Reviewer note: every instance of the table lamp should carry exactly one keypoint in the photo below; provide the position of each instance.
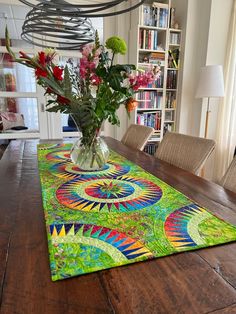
(211, 84)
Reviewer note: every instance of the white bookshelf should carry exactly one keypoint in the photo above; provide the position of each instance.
(168, 39)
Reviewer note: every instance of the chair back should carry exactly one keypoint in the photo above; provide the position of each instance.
(229, 179)
(137, 136)
(184, 151)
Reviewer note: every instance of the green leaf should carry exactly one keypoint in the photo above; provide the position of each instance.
(67, 86)
(53, 85)
(8, 44)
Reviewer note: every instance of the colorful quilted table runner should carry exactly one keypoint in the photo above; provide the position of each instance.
(117, 216)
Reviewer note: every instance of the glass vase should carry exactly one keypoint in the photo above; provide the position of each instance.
(89, 153)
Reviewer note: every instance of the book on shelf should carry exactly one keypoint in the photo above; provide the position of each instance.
(154, 15)
(171, 79)
(173, 58)
(174, 38)
(170, 100)
(169, 127)
(156, 57)
(149, 100)
(150, 148)
(148, 39)
(151, 119)
(169, 115)
(152, 57)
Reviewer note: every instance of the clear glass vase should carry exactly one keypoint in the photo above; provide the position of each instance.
(91, 152)
(90, 157)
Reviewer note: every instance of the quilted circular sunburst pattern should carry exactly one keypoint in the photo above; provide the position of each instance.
(59, 156)
(122, 194)
(69, 171)
(109, 190)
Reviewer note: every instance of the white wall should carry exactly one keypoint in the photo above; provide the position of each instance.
(193, 16)
(118, 26)
(206, 24)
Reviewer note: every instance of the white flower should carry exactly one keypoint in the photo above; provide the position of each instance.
(126, 83)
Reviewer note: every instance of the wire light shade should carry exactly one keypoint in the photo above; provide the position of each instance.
(47, 26)
(93, 9)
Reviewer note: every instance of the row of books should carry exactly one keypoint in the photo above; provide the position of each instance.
(152, 120)
(158, 83)
(148, 39)
(149, 99)
(171, 79)
(150, 148)
(154, 58)
(170, 115)
(154, 15)
(170, 100)
(174, 38)
(169, 127)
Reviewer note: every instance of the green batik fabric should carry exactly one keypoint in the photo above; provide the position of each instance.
(116, 216)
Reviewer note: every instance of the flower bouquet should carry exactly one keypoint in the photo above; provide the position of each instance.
(91, 92)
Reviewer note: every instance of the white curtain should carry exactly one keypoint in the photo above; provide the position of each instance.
(25, 82)
(226, 132)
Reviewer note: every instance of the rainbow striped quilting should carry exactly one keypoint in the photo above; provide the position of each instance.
(116, 216)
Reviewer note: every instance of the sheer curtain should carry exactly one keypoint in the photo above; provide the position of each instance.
(25, 82)
(226, 132)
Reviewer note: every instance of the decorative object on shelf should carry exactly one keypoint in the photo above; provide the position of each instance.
(93, 9)
(210, 84)
(176, 25)
(90, 93)
(46, 25)
(172, 17)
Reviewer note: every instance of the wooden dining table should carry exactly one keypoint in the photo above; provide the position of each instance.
(201, 281)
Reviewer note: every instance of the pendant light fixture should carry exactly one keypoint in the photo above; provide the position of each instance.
(91, 9)
(48, 26)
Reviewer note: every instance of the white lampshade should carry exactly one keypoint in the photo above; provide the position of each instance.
(211, 82)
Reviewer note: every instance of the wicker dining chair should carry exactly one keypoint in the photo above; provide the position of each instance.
(136, 136)
(229, 179)
(184, 151)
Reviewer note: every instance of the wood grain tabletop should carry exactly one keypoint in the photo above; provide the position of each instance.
(201, 281)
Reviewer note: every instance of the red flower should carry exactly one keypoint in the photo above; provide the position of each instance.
(40, 73)
(23, 55)
(42, 58)
(63, 100)
(49, 91)
(57, 72)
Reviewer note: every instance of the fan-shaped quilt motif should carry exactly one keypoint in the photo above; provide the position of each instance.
(116, 216)
(67, 170)
(118, 194)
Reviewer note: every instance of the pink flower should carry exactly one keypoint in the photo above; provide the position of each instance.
(82, 72)
(95, 80)
(97, 52)
(86, 67)
(141, 80)
(87, 50)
